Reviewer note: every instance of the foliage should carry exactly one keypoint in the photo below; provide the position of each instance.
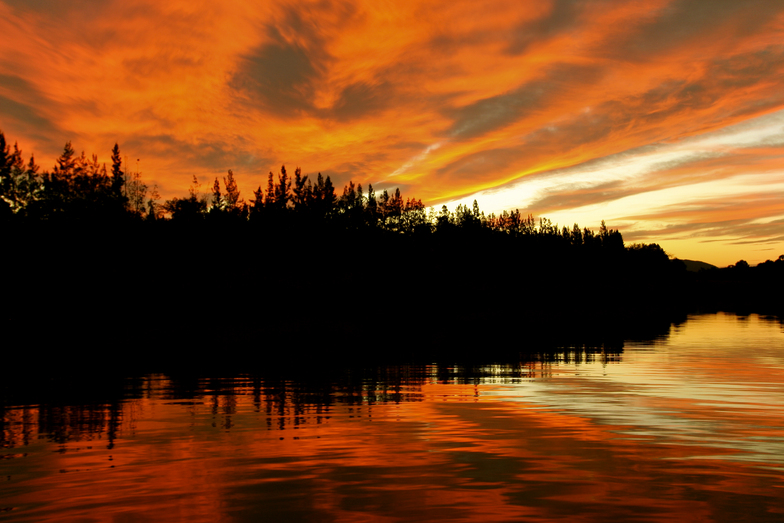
(79, 188)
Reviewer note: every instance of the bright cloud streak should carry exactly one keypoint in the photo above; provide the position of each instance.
(576, 110)
(660, 202)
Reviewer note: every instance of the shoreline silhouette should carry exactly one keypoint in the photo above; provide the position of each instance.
(94, 259)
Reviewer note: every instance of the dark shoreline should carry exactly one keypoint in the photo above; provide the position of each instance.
(222, 297)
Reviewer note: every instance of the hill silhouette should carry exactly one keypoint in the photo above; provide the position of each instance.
(697, 266)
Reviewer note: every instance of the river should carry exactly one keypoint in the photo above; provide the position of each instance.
(689, 425)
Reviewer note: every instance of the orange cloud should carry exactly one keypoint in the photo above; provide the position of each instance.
(442, 99)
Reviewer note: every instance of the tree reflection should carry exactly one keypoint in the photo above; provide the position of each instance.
(286, 401)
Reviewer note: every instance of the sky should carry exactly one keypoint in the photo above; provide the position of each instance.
(664, 118)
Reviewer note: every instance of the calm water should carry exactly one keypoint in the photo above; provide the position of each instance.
(689, 426)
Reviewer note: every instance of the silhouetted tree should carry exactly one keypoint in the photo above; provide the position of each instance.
(19, 185)
(371, 208)
(282, 193)
(233, 202)
(153, 209)
(118, 176)
(324, 197)
(414, 217)
(302, 193)
(217, 199)
(741, 265)
(190, 209)
(577, 235)
(256, 209)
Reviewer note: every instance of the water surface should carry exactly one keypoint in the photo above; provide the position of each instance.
(687, 425)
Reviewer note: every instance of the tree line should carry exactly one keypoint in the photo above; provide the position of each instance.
(93, 245)
(80, 188)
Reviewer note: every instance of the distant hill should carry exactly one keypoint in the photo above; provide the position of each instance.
(696, 266)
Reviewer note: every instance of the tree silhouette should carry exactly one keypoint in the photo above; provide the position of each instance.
(189, 210)
(118, 176)
(232, 200)
(301, 232)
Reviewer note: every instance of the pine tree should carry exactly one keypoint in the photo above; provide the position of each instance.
(371, 208)
(66, 163)
(232, 199)
(282, 189)
(6, 189)
(302, 191)
(257, 203)
(118, 176)
(217, 200)
(270, 199)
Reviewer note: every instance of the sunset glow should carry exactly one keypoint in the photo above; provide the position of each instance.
(664, 118)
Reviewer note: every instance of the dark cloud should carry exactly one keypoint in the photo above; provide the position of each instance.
(364, 169)
(657, 107)
(359, 170)
(16, 84)
(742, 69)
(564, 16)
(280, 77)
(483, 164)
(683, 21)
(361, 100)
(214, 155)
(395, 143)
(283, 76)
(579, 130)
(141, 71)
(56, 8)
(24, 117)
(499, 111)
(567, 198)
(651, 110)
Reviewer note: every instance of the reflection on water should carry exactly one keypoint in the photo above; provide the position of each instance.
(692, 423)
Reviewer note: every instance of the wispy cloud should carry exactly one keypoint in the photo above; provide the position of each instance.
(548, 106)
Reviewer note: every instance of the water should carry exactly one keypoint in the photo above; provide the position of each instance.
(690, 425)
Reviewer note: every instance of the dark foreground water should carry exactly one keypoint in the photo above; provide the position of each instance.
(690, 426)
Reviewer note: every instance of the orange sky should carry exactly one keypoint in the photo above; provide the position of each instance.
(662, 117)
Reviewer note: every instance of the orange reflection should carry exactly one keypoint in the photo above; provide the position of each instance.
(686, 425)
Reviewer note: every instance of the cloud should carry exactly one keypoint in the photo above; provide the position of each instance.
(278, 79)
(672, 26)
(54, 8)
(362, 100)
(19, 101)
(24, 117)
(563, 16)
(557, 106)
(490, 114)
